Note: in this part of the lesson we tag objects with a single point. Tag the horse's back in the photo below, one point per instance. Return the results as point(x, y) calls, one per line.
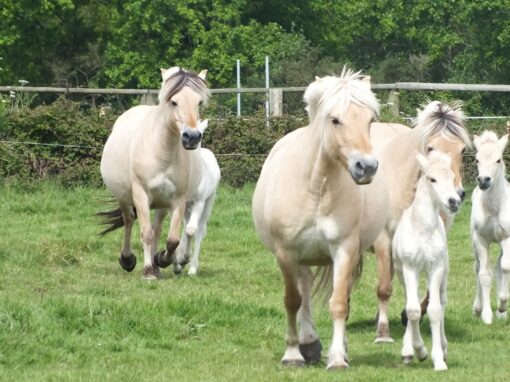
point(207, 175)
point(115, 161)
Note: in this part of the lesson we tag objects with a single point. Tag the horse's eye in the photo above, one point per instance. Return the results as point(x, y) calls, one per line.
point(433, 180)
point(429, 149)
point(477, 161)
point(498, 161)
point(335, 121)
point(463, 151)
point(200, 103)
point(173, 103)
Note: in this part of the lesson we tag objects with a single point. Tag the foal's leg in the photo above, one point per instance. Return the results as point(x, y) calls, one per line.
point(184, 249)
point(292, 301)
point(309, 344)
point(435, 311)
point(382, 247)
point(201, 232)
point(444, 301)
point(127, 260)
point(142, 203)
point(346, 259)
point(481, 249)
point(503, 271)
point(413, 310)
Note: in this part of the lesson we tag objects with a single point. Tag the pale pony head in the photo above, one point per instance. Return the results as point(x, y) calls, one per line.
point(489, 158)
point(182, 93)
point(442, 128)
point(439, 178)
point(341, 110)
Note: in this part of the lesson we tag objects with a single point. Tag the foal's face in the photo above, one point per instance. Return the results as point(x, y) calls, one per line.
point(347, 139)
point(441, 180)
point(455, 149)
point(489, 160)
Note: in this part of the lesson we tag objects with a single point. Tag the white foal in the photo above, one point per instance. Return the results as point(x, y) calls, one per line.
point(420, 245)
point(490, 223)
point(198, 206)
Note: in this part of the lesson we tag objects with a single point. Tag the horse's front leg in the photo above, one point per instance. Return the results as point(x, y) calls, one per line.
point(435, 310)
point(157, 225)
point(309, 344)
point(345, 261)
point(142, 203)
point(484, 276)
point(503, 274)
point(382, 248)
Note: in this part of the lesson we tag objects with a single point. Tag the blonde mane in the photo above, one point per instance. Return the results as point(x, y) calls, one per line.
point(175, 79)
point(438, 118)
point(325, 93)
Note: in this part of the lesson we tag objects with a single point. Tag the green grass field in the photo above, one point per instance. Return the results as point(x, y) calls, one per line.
point(68, 312)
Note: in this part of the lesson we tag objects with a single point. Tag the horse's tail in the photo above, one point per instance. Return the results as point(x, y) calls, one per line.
point(113, 219)
point(323, 276)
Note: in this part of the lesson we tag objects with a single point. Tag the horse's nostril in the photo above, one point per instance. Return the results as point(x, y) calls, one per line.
point(185, 135)
point(359, 165)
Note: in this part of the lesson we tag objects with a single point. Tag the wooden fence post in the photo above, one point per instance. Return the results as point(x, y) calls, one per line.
point(149, 99)
point(276, 102)
point(393, 103)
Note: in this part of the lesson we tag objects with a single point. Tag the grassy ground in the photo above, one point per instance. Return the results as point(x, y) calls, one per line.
point(69, 312)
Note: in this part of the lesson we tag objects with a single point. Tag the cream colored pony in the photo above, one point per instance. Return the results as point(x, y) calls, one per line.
point(147, 162)
point(321, 201)
point(438, 127)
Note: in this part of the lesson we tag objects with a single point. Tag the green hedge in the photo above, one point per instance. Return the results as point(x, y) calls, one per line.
point(73, 136)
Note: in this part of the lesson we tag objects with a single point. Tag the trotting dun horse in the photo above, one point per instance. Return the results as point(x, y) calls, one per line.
point(419, 246)
point(438, 127)
point(147, 163)
point(319, 202)
point(490, 223)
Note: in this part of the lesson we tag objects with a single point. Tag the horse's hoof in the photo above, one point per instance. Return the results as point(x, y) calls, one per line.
point(501, 315)
point(192, 271)
point(441, 366)
point(293, 363)
point(311, 352)
point(337, 366)
point(422, 355)
point(162, 260)
point(384, 340)
point(407, 359)
point(177, 269)
point(127, 263)
point(149, 274)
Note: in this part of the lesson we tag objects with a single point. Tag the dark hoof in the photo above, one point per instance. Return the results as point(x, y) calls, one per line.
point(178, 268)
point(127, 263)
point(162, 259)
point(311, 352)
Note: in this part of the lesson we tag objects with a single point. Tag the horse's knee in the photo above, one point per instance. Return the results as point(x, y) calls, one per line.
point(339, 309)
point(191, 229)
point(384, 293)
point(485, 278)
point(413, 312)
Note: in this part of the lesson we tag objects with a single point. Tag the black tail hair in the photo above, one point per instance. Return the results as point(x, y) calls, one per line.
point(113, 219)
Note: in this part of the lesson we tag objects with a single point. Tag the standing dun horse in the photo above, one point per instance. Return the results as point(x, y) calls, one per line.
point(490, 223)
point(419, 245)
point(320, 201)
point(438, 127)
point(147, 164)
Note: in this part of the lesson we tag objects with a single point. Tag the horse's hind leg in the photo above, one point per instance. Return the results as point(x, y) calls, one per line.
point(292, 301)
point(309, 344)
point(200, 234)
point(127, 259)
point(382, 248)
point(503, 278)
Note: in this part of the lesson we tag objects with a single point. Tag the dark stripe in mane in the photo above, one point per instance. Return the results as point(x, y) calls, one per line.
point(177, 81)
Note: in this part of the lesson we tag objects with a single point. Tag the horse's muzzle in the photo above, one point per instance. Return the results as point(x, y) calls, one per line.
point(191, 138)
point(363, 169)
point(484, 182)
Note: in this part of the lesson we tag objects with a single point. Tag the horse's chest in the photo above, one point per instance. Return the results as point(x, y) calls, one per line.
point(163, 189)
point(493, 228)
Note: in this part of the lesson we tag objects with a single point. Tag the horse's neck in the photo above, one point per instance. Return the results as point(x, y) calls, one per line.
point(166, 137)
point(499, 191)
point(425, 209)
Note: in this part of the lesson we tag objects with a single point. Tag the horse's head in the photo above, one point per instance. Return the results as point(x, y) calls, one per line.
point(182, 93)
point(341, 109)
point(489, 158)
point(440, 179)
point(442, 128)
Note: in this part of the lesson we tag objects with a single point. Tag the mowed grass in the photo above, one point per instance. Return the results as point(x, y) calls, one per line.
point(69, 312)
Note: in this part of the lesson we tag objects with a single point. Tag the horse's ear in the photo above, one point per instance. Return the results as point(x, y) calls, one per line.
point(163, 71)
point(503, 142)
point(366, 80)
point(422, 161)
point(202, 125)
point(476, 141)
point(317, 78)
point(203, 74)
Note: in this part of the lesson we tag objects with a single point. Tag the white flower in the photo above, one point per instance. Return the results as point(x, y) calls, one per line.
point(23, 82)
point(12, 94)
